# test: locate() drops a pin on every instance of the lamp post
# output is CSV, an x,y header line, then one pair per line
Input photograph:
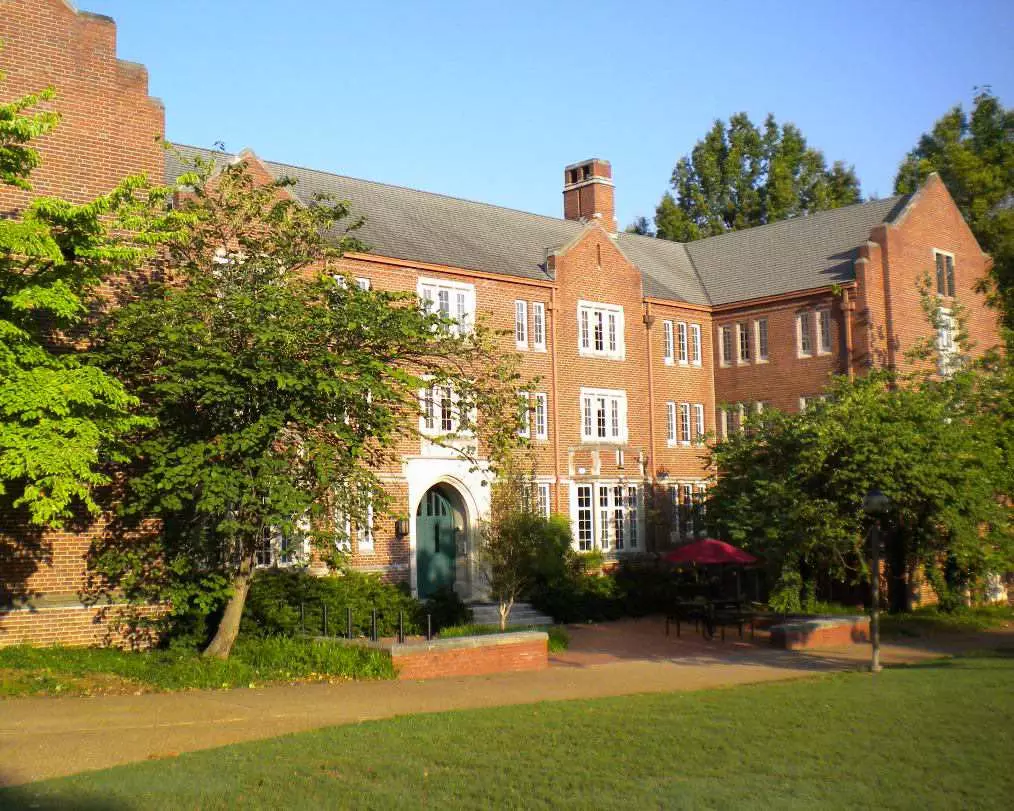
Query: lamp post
x,y
875,504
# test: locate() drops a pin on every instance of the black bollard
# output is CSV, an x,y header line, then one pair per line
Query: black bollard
x,y
323,606
302,618
401,627
373,625
348,622
429,627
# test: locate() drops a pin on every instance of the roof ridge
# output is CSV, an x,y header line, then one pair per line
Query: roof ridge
x,y
797,218
393,186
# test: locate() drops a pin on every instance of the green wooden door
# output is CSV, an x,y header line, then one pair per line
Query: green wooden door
x,y
434,543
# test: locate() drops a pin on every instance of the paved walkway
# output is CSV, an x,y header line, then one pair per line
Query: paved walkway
x,y
49,737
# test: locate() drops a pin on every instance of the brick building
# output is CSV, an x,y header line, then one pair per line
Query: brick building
x,y
643,347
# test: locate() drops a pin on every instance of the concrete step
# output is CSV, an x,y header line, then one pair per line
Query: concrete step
x,y
522,615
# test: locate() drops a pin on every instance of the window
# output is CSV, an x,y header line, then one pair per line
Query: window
x,y
521,324
744,342
542,500
604,516
524,414
699,421
762,338
362,283
671,423
604,415
619,519
667,350
632,516
364,533
541,416
726,338
945,273
685,423
695,344
585,530
441,411
539,326
808,400
824,330
282,548
681,342
437,295
804,330
600,330
946,348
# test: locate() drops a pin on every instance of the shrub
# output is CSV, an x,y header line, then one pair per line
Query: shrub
x,y
447,609
273,604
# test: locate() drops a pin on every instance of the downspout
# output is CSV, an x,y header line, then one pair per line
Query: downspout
x,y
888,305
555,399
848,307
649,320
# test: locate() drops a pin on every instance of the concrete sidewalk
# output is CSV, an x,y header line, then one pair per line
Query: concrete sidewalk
x,y
49,737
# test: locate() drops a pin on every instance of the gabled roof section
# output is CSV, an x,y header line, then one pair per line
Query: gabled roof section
x,y
666,268
802,253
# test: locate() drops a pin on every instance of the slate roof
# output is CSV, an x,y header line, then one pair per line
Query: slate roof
x,y
798,254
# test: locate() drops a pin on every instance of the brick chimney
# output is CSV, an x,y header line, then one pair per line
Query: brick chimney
x,y
588,193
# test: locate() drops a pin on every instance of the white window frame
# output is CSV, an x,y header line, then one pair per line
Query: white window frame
x,y
695,344
685,424
362,283
726,331
804,334
744,351
431,401
699,422
584,534
950,280
540,415
521,324
538,326
667,343
594,318
761,329
543,499
525,407
614,402
824,331
670,413
682,349
428,290
364,533
946,349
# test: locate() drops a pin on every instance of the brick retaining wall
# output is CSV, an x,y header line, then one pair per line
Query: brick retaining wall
x,y
825,632
472,655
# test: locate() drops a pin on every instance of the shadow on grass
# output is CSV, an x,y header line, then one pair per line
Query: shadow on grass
x,y
967,660
23,797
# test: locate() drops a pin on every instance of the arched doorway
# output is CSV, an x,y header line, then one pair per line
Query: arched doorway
x,y
439,522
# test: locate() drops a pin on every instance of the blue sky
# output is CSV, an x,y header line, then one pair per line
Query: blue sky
x,y
489,101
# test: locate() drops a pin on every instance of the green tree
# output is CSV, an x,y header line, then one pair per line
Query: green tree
x,y
279,388
792,485
739,176
974,155
640,226
60,415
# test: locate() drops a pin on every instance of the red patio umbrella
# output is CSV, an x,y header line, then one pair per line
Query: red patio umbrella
x,y
708,551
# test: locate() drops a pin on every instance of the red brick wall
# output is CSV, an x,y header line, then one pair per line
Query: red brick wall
x,y
889,303
504,656
72,625
109,123
786,375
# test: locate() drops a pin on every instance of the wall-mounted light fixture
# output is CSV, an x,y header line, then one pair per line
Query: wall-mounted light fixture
x,y
401,527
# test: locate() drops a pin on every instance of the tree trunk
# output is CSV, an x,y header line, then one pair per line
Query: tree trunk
x,y
505,613
228,627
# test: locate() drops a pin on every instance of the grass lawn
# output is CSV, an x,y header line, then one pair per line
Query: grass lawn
x,y
930,620
25,670
938,735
